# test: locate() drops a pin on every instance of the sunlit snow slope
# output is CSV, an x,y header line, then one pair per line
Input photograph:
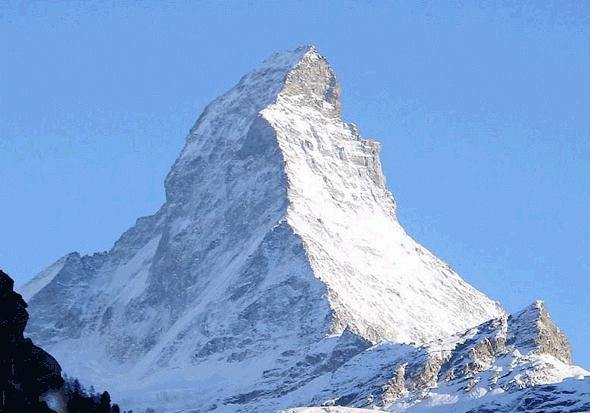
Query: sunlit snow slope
x,y
277,241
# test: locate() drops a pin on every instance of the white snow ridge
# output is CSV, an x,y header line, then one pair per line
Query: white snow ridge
x,y
276,276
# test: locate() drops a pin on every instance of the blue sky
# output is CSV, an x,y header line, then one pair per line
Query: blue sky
x,y
482,109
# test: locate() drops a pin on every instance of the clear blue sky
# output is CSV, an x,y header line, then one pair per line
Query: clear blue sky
x,y
482,109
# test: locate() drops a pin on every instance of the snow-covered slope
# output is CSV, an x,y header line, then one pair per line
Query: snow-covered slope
x,y
275,260
496,363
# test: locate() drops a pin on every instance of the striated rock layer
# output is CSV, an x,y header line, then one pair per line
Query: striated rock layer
x,y
276,259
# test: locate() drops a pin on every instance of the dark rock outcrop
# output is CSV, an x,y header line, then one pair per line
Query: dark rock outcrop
x,y
30,378
27,372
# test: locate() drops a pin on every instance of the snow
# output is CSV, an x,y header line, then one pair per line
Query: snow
x,y
276,275
335,409
42,279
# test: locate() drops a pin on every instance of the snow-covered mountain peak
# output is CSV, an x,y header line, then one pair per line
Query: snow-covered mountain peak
x,y
272,158
276,259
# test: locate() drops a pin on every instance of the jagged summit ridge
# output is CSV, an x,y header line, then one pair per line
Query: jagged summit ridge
x,y
301,74
276,258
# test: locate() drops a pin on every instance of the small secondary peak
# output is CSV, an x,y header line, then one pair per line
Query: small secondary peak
x,y
533,328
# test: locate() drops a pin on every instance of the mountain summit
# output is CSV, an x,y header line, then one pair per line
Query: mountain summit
x,y
276,259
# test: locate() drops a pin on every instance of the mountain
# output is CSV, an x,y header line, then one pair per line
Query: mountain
x,y
275,267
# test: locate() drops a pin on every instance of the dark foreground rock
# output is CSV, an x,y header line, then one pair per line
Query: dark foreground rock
x,y
27,373
30,378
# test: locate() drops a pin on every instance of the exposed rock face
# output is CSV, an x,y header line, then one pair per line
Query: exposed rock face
x,y
396,387
27,372
275,264
534,329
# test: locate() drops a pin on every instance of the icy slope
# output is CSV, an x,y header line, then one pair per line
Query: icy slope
x,y
381,283
276,259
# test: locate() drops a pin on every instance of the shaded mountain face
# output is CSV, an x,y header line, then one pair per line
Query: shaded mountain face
x,y
27,373
276,259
